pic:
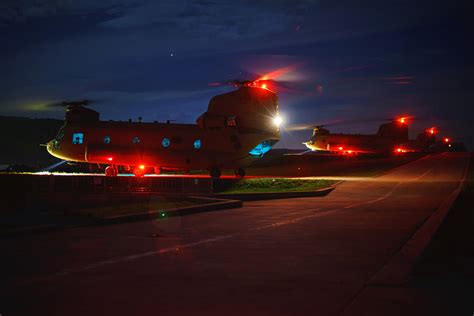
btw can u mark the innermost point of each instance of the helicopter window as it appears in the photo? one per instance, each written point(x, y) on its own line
point(262, 148)
point(136, 140)
point(231, 121)
point(165, 142)
point(197, 144)
point(59, 138)
point(107, 140)
point(77, 138)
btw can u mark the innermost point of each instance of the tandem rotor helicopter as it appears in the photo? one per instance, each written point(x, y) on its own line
point(391, 138)
point(237, 128)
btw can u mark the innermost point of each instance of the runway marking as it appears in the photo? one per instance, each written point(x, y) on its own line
point(317, 213)
point(175, 248)
point(375, 200)
point(390, 192)
point(143, 254)
point(422, 175)
point(188, 245)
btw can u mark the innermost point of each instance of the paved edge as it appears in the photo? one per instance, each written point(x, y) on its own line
point(214, 204)
point(396, 271)
point(273, 196)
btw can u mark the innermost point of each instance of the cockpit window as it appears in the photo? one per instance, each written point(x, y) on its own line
point(77, 138)
point(262, 148)
point(60, 135)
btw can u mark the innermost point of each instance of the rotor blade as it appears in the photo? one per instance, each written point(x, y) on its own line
point(278, 80)
point(299, 127)
point(307, 126)
point(79, 102)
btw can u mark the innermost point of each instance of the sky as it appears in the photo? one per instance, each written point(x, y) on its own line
point(351, 61)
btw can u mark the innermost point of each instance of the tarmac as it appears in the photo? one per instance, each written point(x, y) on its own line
point(348, 253)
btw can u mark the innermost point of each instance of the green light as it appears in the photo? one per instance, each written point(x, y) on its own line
point(163, 214)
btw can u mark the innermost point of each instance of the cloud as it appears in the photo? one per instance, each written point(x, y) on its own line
point(223, 19)
point(15, 11)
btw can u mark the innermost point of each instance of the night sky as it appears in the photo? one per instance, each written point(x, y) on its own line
point(349, 60)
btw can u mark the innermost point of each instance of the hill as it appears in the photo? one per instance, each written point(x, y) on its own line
point(20, 140)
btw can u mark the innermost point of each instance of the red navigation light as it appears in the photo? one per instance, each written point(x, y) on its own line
point(142, 167)
point(349, 151)
point(340, 148)
point(446, 140)
point(264, 86)
point(431, 131)
point(399, 150)
point(110, 158)
point(402, 120)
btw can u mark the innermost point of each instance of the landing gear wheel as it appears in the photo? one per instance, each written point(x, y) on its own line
point(239, 173)
point(215, 173)
point(111, 171)
point(157, 170)
point(138, 172)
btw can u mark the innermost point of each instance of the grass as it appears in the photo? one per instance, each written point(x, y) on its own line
point(276, 185)
point(157, 204)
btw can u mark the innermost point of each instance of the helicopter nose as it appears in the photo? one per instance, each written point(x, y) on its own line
point(50, 147)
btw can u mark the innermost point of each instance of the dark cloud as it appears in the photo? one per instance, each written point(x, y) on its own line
point(17, 11)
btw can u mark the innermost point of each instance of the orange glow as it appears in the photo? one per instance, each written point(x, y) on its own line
point(110, 158)
point(278, 72)
point(446, 140)
point(142, 167)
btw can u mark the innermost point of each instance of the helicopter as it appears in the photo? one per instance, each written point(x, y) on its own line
point(391, 138)
point(426, 141)
point(388, 136)
point(238, 127)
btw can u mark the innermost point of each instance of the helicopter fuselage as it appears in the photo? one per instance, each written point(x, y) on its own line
point(174, 146)
point(237, 128)
point(388, 137)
